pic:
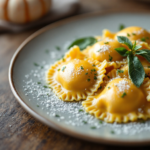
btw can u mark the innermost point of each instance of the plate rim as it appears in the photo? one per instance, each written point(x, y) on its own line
point(50, 123)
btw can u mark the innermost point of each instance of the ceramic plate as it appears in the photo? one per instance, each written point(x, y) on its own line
point(32, 59)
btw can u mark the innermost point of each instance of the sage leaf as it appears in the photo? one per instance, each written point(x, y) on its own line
point(121, 27)
point(125, 40)
point(137, 47)
point(146, 55)
point(122, 51)
point(83, 42)
point(136, 70)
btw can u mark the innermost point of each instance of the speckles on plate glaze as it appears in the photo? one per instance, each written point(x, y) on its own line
point(70, 113)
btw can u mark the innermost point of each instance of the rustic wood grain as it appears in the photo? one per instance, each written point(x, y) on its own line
point(19, 130)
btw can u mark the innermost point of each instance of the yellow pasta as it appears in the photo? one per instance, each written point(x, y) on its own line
point(99, 75)
point(119, 101)
point(75, 79)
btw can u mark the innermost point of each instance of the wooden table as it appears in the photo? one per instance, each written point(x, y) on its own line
point(19, 130)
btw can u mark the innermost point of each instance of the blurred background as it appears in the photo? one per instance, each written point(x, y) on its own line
point(38, 13)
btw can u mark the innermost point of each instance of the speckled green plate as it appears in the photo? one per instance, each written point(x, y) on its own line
point(35, 55)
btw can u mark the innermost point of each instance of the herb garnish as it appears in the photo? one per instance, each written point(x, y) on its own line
point(100, 88)
point(35, 64)
point(93, 65)
point(110, 58)
point(112, 132)
point(119, 71)
point(80, 110)
point(58, 48)
point(82, 67)
point(63, 68)
point(121, 27)
point(93, 127)
point(123, 95)
point(47, 51)
point(108, 87)
point(106, 42)
point(45, 86)
point(57, 115)
point(85, 122)
point(95, 78)
point(148, 66)
point(88, 80)
point(128, 34)
point(108, 77)
point(83, 42)
point(143, 39)
point(99, 50)
point(93, 70)
point(39, 83)
point(86, 73)
point(37, 105)
point(58, 69)
point(133, 34)
point(100, 121)
point(136, 70)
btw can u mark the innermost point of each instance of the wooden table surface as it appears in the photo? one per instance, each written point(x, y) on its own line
point(18, 129)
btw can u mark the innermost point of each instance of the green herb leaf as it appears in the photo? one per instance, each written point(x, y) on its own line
point(80, 110)
point(83, 42)
point(143, 39)
point(58, 48)
point(125, 40)
point(128, 34)
point(35, 64)
point(99, 50)
point(137, 47)
point(95, 78)
point(123, 95)
point(144, 53)
point(88, 80)
point(106, 42)
point(47, 51)
point(100, 88)
point(57, 115)
point(110, 58)
point(93, 127)
point(122, 51)
point(119, 71)
point(121, 26)
point(82, 67)
point(100, 121)
point(112, 132)
point(85, 122)
point(136, 70)
point(108, 77)
point(93, 70)
point(86, 73)
point(63, 68)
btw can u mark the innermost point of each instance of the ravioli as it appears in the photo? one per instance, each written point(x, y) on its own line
point(105, 50)
point(119, 101)
point(99, 76)
point(123, 73)
point(135, 34)
point(75, 78)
